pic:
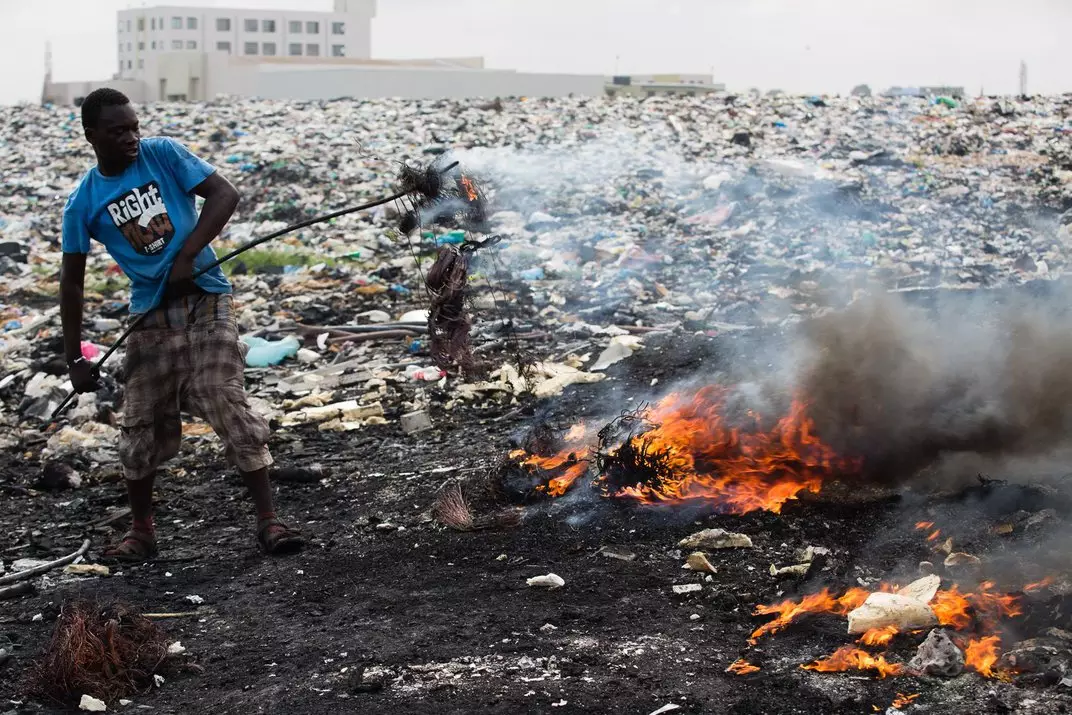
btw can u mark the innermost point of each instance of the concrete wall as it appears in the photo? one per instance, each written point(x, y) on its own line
point(66, 92)
point(285, 83)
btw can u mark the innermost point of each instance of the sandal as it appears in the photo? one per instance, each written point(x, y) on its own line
point(278, 539)
point(135, 547)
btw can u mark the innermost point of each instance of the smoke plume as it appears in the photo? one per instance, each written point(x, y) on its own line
point(903, 388)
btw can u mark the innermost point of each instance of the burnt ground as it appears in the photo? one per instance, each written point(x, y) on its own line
point(444, 622)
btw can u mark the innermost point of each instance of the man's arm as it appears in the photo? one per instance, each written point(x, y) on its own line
point(72, 281)
point(221, 200)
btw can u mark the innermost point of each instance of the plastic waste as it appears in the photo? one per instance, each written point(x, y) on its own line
point(263, 353)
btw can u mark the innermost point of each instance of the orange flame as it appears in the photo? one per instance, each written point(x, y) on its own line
point(568, 465)
point(903, 700)
point(849, 658)
point(470, 189)
point(924, 524)
point(1038, 585)
point(789, 610)
point(741, 667)
point(741, 470)
point(878, 636)
point(981, 654)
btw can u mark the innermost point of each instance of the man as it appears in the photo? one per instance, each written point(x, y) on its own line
point(139, 203)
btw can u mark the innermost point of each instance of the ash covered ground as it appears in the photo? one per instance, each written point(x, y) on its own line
point(711, 231)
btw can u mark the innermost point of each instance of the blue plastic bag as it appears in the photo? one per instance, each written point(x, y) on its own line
point(263, 353)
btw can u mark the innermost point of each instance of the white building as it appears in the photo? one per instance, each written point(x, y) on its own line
point(184, 53)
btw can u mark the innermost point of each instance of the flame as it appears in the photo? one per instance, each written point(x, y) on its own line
point(470, 189)
point(981, 654)
point(789, 610)
point(879, 636)
point(934, 535)
point(902, 700)
point(740, 469)
point(1038, 585)
point(848, 657)
point(568, 465)
point(741, 667)
point(924, 524)
point(952, 608)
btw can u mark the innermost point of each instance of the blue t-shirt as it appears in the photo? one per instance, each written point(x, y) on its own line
point(143, 217)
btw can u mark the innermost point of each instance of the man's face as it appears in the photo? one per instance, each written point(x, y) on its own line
point(116, 136)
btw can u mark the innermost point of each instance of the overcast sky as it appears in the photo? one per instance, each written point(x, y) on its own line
point(795, 45)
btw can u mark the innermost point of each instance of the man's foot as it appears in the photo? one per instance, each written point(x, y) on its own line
point(136, 547)
point(278, 539)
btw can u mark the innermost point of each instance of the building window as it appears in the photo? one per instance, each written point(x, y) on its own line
point(120, 29)
point(268, 49)
point(141, 47)
point(154, 44)
point(251, 48)
point(191, 44)
point(295, 27)
point(120, 48)
point(223, 24)
point(141, 64)
point(338, 50)
point(338, 28)
point(130, 65)
point(153, 23)
point(250, 25)
point(128, 25)
point(312, 28)
point(268, 25)
point(223, 47)
point(176, 44)
point(129, 47)
point(176, 23)
point(141, 24)
point(294, 49)
point(191, 23)
point(312, 50)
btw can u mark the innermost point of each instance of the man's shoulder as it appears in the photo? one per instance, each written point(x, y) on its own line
point(157, 144)
point(77, 197)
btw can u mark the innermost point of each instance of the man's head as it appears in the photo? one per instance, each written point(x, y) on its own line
point(111, 126)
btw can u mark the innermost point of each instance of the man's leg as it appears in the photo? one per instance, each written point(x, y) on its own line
point(260, 489)
point(140, 496)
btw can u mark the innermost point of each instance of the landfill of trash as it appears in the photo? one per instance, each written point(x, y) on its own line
point(627, 241)
point(617, 218)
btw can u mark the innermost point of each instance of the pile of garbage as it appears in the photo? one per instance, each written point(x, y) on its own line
point(618, 217)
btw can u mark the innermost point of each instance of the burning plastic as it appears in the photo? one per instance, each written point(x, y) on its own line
point(688, 448)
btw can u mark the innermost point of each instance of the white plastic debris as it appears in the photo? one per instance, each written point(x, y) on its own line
point(158, 680)
point(716, 539)
point(891, 609)
point(697, 561)
point(307, 356)
point(668, 708)
point(551, 581)
point(91, 704)
point(683, 588)
point(194, 599)
point(176, 648)
point(620, 347)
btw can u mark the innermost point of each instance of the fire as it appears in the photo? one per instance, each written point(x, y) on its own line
point(902, 700)
point(699, 456)
point(702, 457)
point(1038, 585)
point(789, 610)
point(958, 610)
point(952, 608)
point(568, 465)
point(924, 524)
point(981, 654)
point(741, 667)
point(848, 657)
point(470, 189)
point(879, 636)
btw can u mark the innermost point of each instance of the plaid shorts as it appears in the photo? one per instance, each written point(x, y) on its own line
point(186, 356)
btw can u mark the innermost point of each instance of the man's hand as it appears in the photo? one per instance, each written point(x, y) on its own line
point(182, 270)
point(84, 376)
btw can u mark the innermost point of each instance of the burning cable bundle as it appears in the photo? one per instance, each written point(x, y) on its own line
point(687, 448)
